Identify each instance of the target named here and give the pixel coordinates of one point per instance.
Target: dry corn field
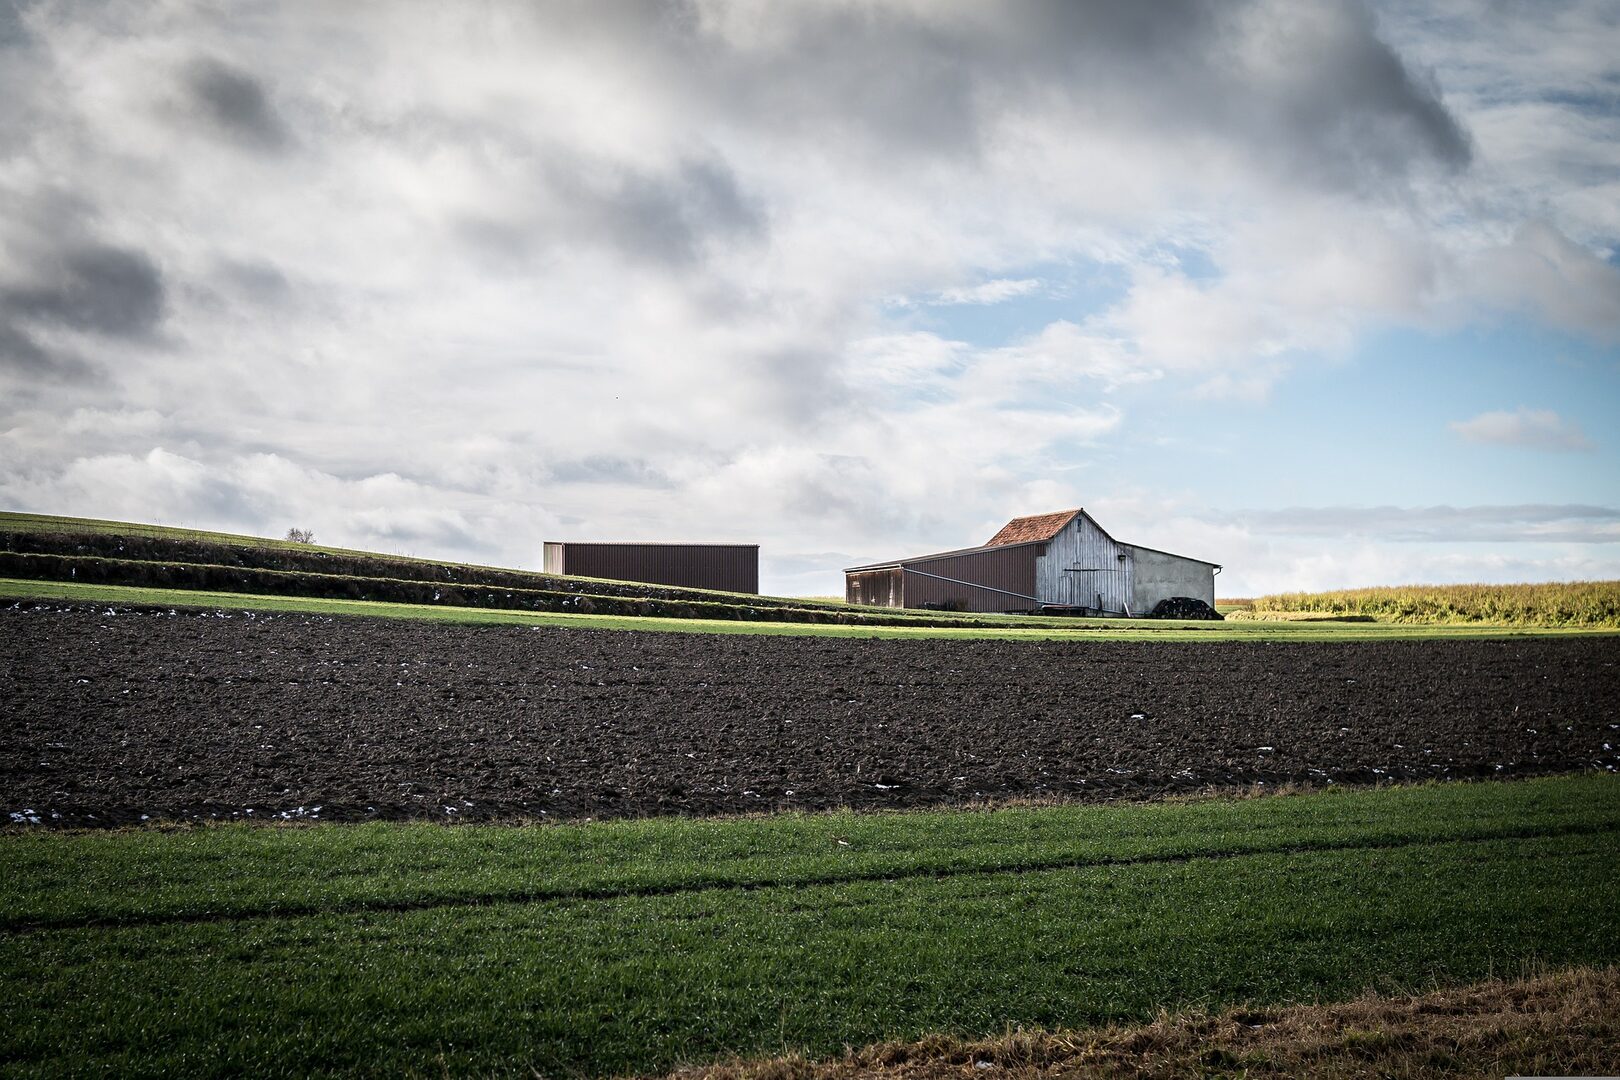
(1572, 603)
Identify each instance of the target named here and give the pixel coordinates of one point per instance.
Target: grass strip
(641, 984)
(237, 871)
(15, 590)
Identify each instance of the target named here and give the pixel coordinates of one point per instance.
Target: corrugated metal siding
(1011, 569)
(1082, 567)
(880, 588)
(729, 567)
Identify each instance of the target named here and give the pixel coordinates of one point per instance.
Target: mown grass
(1011, 628)
(399, 950)
(1559, 604)
(241, 870)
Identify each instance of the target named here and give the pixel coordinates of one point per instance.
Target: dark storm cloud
(1309, 87)
(12, 31)
(908, 82)
(670, 218)
(257, 282)
(1364, 106)
(96, 288)
(19, 352)
(606, 469)
(235, 104)
(1325, 87)
(91, 288)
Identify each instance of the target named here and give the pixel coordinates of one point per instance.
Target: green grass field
(617, 947)
(1011, 628)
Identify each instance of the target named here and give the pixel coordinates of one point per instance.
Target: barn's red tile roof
(1022, 530)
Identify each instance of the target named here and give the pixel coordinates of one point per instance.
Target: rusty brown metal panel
(727, 567)
(998, 579)
(879, 588)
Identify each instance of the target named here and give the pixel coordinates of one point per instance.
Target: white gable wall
(1157, 575)
(1082, 565)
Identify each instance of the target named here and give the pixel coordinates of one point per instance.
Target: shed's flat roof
(641, 543)
(1161, 551)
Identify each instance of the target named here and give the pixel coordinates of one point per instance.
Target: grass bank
(637, 946)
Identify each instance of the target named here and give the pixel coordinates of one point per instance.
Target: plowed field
(112, 718)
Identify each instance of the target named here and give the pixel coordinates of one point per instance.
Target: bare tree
(301, 536)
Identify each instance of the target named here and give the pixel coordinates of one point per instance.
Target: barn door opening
(1083, 589)
(1096, 588)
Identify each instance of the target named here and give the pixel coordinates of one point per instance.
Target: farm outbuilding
(727, 567)
(1061, 560)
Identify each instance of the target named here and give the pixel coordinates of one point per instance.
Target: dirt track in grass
(112, 717)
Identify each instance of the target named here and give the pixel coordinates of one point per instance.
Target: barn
(728, 567)
(1060, 560)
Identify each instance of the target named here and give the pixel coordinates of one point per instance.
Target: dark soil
(112, 718)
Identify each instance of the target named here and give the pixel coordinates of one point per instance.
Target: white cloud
(988, 292)
(1545, 273)
(1537, 429)
(1287, 567)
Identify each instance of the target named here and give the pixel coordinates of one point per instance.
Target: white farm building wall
(1158, 575)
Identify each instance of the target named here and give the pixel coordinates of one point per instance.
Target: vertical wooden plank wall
(1081, 564)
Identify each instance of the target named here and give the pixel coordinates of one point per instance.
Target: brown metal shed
(727, 567)
(996, 577)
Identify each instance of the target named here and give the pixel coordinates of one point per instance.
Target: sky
(1324, 291)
